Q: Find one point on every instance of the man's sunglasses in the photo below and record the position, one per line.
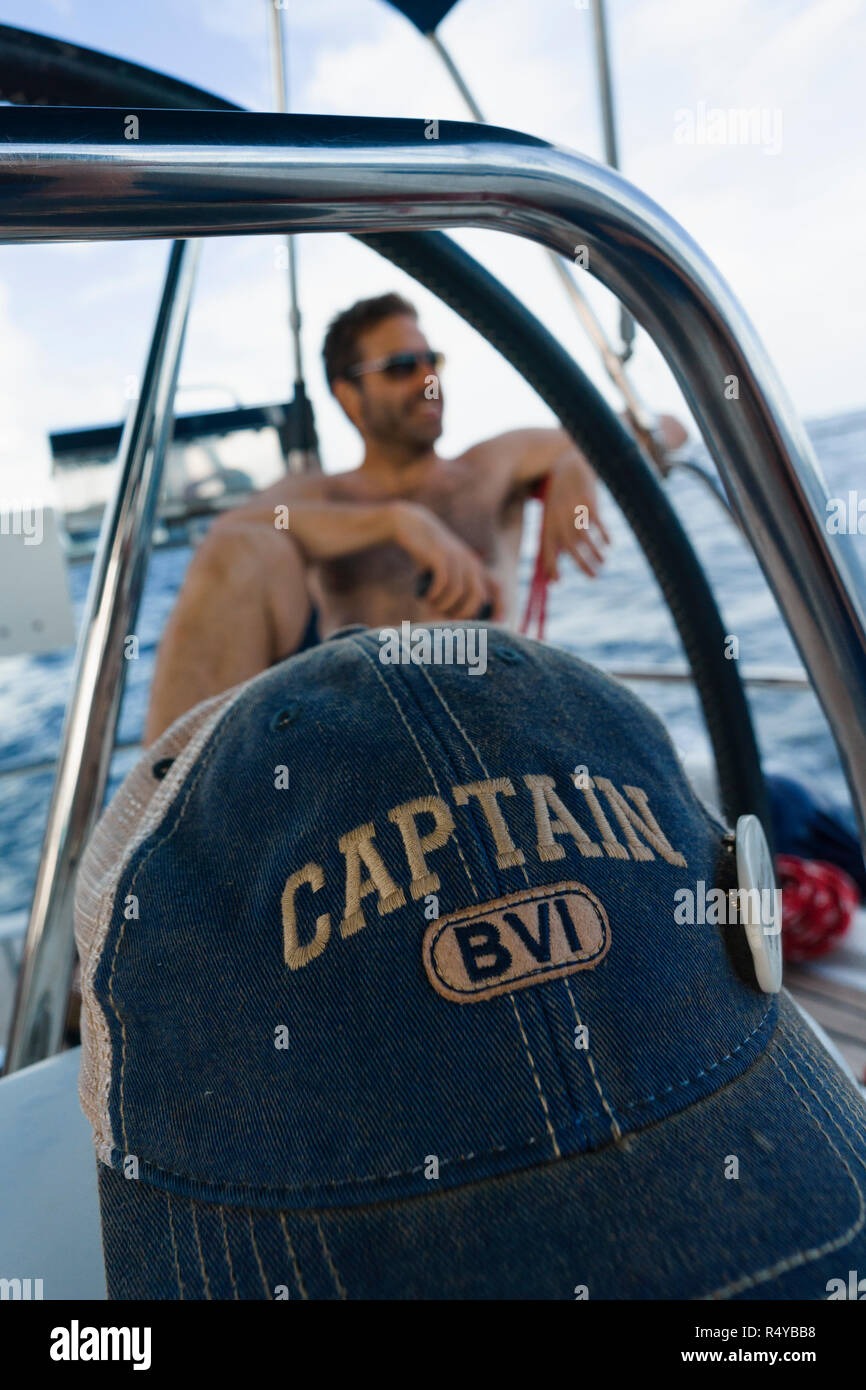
(400, 365)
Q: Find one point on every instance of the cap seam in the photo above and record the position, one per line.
(94, 901)
(464, 735)
(543, 1004)
(493, 869)
(814, 1093)
(840, 1089)
(615, 1130)
(205, 757)
(705, 1071)
(358, 646)
(800, 1258)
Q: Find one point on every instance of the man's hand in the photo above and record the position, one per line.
(572, 521)
(671, 432)
(461, 585)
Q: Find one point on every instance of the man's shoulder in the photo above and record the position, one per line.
(320, 486)
(505, 457)
(503, 449)
(489, 453)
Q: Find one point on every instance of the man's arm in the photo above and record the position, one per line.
(532, 454)
(460, 585)
(322, 530)
(572, 521)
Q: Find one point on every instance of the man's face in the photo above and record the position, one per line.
(406, 410)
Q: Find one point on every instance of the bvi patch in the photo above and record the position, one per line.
(513, 942)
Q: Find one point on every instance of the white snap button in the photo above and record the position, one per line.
(760, 905)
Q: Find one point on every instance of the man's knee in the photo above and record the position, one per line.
(248, 567)
(232, 554)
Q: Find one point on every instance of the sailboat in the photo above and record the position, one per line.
(68, 172)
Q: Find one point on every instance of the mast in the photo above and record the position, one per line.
(302, 451)
(636, 415)
(611, 152)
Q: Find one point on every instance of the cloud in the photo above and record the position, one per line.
(243, 23)
(527, 70)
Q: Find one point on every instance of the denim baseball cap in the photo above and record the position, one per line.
(386, 994)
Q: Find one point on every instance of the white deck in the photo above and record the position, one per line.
(833, 991)
(49, 1210)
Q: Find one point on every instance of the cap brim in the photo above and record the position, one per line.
(756, 1191)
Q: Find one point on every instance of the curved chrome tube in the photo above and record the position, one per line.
(86, 744)
(68, 174)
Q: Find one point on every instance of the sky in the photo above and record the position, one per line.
(782, 217)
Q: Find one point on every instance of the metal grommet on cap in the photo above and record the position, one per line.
(161, 767)
(508, 655)
(760, 917)
(287, 715)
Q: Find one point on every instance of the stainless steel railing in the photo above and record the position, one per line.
(671, 673)
(73, 175)
(87, 740)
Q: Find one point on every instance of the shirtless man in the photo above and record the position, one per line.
(407, 534)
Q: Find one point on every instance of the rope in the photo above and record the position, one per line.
(536, 603)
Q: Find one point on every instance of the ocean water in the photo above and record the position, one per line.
(618, 619)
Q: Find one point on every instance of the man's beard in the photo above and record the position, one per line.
(403, 424)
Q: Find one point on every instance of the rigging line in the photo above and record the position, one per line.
(279, 69)
(300, 446)
(636, 414)
(611, 154)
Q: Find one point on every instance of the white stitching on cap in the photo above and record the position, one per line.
(331, 1266)
(520, 1142)
(291, 1249)
(839, 1087)
(228, 1251)
(456, 722)
(830, 1116)
(538, 1086)
(614, 1125)
(134, 813)
(256, 1253)
(158, 845)
(532, 1067)
(174, 1246)
(801, 1257)
(396, 704)
(200, 1251)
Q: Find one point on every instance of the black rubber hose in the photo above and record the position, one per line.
(38, 70)
(443, 267)
(35, 68)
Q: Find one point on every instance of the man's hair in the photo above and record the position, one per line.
(341, 349)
